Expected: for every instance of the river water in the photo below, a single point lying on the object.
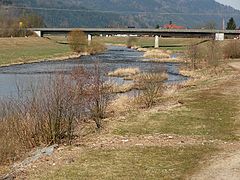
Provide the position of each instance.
(115, 57)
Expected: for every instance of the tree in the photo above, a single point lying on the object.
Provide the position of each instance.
(157, 26)
(231, 25)
(78, 41)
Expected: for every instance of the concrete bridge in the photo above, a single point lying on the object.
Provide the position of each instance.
(185, 33)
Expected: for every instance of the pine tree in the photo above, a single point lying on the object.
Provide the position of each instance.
(231, 25)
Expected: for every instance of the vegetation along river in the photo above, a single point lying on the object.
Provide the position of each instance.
(18, 76)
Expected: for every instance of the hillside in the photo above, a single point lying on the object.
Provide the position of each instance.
(123, 13)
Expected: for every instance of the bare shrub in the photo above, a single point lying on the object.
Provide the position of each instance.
(96, 47)
(51, 114)
(214, 54)
(151, 86)
(204, 55)
(193, 55)
(77, 41)
(157, 54)
(121, 104)
(232, 50)
(100, 96)
(131, 41)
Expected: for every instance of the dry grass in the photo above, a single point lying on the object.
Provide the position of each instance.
(149, 41)
(157, 53)
(163, 60)
(4, 170)
(121, 104)
(124, 72)
(123, 88)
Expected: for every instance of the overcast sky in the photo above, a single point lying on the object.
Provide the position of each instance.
(233, 3)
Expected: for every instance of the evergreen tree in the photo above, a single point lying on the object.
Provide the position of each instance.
(231, 25)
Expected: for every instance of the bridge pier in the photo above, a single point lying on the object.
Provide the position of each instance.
(219, 36)
(38, 33)
(156, 41)
(89, 39)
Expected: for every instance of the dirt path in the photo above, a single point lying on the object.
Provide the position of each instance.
(235, 65)
(225, 166)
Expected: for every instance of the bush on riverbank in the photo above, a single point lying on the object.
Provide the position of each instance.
(151, 87)
(206, 55)
(78, 42)
(232, 50)
(52, 114)
(131, 41)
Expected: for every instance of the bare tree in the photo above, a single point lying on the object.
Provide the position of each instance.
(77, 41)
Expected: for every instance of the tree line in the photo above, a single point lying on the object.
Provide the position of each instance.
(14, 22)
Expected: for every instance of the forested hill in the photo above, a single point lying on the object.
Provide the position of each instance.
(123, 13)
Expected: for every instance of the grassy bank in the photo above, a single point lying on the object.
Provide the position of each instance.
(169, 141)
(208, 108)
(22, 50)
(166, 142)
(131, 163)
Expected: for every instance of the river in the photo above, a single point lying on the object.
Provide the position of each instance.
(115, 57)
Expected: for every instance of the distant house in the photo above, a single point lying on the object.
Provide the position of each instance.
(173, 26)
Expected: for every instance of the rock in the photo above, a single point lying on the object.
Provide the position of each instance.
(69, 161)
(9, 176)
(47, 151)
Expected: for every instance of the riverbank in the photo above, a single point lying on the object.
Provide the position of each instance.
(30, 49)
(192, 123)
(15, 51)
(167, 51)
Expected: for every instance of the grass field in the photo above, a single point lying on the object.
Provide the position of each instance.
(165, 43)
(21, 50)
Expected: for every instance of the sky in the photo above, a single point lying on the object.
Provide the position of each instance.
(233, 3)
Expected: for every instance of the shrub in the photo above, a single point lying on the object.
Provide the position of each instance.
(51, 114)
(96, 47)
(78, 41)
(214, 54)
(131, 41)
(232, 50)
(204, 55)
(151, 87)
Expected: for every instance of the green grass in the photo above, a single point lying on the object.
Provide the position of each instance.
(132, 163)
(177, 44)
(206, 113)
(166, 43)
(21, 50)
